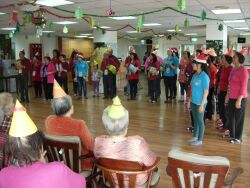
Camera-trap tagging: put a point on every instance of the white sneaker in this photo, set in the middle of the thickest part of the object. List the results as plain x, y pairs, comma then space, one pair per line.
192, 140
197, 143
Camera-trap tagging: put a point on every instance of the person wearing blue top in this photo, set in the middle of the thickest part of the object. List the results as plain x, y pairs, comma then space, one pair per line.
170, 66
176, 57
81, 69
199, 93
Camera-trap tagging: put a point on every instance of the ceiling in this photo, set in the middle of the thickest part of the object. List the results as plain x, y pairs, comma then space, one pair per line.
167, 18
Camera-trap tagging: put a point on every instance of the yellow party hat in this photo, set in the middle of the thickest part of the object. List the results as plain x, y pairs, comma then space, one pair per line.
58, 92
116, 110
21, 124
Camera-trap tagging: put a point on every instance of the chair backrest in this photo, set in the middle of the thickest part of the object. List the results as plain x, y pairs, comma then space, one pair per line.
121, 172
66, 149
196, 171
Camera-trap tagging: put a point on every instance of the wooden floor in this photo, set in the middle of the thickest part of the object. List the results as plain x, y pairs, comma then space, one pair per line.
163, 127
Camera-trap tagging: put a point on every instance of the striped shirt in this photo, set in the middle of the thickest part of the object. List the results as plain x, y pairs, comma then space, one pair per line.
133, 148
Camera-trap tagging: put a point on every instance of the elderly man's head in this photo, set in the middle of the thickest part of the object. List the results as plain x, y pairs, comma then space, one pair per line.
62, 106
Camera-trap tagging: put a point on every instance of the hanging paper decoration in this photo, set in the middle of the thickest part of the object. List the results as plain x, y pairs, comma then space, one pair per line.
186, 23
220, 27
91, 22
103, 32
39, 32
27, 18
51, 25
181, 5
177, 28
65, 29
11, 34
26, 37
140, 23
49, 35
110, 12
33, 20
203, 15
17, 27
14, 16
78, 13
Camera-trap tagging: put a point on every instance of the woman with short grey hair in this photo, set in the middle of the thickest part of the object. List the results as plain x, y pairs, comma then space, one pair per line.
62, 124
116, 145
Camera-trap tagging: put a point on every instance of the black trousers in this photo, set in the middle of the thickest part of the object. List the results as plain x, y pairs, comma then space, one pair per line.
153, 89
38, 88
183, 88
133, 87
175, 86
109, 84
23, 87
75, 87
222, 108
235, 118
169, 87
48, 89
63, 82
210, 104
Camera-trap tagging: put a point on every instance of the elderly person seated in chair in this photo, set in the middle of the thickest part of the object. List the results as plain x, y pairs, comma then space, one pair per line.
62, 124
117, 145
28, 168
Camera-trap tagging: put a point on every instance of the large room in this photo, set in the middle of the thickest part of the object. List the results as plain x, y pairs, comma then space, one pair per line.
135, 93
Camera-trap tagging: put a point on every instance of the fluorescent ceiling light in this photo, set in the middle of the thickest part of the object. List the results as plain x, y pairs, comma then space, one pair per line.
48, 31
173, 30
80, 36
123, 18
8, 28
1, 13
94, 27
53, 3
151, 24
105, 27
65, 22
234, 21
86, 34
226, 11
245, 34
91, 37
242, 28
191, 34
131, 31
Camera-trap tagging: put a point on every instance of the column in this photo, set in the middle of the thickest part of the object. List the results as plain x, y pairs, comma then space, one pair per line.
216, 39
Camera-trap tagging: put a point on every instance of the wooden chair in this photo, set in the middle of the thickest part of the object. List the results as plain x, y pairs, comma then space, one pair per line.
67, 149
117, 172
196, 171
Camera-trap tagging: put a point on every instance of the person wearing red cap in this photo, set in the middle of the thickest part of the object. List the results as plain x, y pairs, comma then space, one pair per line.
226, 69
23, 66
63, 72
36, 66
198, 99
236, 99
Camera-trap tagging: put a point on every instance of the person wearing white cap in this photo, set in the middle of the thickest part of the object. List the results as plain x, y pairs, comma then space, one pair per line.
198, 99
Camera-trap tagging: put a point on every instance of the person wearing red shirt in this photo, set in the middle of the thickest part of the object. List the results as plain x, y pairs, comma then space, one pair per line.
56, 61
226, 69
153, 71
109, 63
36, 76
23, 66
133, 67
72, 62
212, 75
62, 73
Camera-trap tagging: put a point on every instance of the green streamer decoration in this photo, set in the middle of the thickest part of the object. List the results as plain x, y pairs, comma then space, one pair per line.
17, 27
103, 32
203, 15
181, 5
186, 23
51, 25
65, 29
78, 13
140, 23
91, 22
49, 35
177, 28
220, 27
26, 37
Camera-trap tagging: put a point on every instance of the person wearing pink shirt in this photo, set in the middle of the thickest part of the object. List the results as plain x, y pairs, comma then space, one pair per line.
236, 99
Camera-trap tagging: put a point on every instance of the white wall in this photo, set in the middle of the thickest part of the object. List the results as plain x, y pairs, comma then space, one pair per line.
22, 43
